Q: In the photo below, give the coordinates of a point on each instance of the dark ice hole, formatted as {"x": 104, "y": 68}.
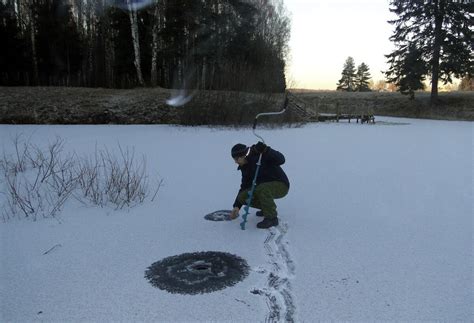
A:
{"x": 196, "y": 273}
{"x": 201, "y": 267}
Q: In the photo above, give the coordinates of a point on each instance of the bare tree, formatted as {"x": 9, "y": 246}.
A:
{"x": 158, "y": 23}
{"x": 132, "y": 12}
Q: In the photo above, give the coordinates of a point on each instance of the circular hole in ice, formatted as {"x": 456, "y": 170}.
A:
{"x": 198, "y": 272}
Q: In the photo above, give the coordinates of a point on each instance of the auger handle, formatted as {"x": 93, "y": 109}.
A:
{"x": 285, "y": 104}
{"x": 255, "y": 122}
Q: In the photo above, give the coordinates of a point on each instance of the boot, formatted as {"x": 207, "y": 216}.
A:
{"x": 259, "y": 213}
{"x": 267, "y": 223}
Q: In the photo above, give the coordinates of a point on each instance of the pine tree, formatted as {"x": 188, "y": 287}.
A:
{"x": 408, "y": 70}
{"x": 362, "y": 78}
{"x": 442, "y": 30}
{"x": 346, "y": 83}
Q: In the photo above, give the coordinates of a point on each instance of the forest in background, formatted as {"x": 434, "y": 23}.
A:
{"x": 196, "y": 44}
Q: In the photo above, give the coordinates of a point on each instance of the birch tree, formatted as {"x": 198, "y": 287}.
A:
{"x": 132, "y": 10}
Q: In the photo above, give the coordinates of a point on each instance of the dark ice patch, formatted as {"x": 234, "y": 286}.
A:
{"x": 197, "y": 273}
{"x": 221, "y": 215}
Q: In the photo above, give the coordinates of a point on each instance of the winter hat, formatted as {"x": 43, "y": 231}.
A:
{"x": 239, "y": 150}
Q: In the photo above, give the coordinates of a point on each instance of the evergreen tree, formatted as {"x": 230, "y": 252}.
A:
{"x": 442, "y": 30}
{"x": 13, "y": 66}
{"x": 408, "y": 70}
{"x": 347, "y": 81}
{"x": 58, "y": 43}
{"x": 362, "y": 78}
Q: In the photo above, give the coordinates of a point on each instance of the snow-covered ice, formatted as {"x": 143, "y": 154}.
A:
{"x": 377, "y": 226}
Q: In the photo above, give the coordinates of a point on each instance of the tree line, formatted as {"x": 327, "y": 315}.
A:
{"x": 200, "y": 44}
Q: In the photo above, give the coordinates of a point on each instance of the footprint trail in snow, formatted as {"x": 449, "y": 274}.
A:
{"x": 278, "y": 291}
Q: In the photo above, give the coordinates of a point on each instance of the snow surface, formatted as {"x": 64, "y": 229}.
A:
{"x": 377, "y": 226}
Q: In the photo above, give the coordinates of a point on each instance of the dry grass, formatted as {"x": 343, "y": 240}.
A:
{"x": 60, "y": 105}
{"x": 451, "y": 106}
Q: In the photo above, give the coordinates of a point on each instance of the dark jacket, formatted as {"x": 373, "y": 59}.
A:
{"x": 270, "y": 170}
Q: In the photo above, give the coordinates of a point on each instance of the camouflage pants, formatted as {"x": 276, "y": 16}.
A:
{"x": 264, "y": 196}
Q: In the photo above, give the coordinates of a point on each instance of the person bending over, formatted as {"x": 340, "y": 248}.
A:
{"x": 272, "y": 182}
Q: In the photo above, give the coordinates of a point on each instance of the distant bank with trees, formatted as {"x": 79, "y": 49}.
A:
{"x": 433, "y": 39}
{"x": 200, "y": 44}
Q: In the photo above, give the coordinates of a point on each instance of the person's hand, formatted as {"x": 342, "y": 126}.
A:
{"x": 260, "y": 147}
{"x": 234, "y": 214}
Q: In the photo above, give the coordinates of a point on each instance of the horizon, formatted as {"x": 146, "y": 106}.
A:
{"x": 316, "y": 63}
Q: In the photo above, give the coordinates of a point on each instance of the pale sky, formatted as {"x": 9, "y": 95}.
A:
{"x": 325, "y": 32}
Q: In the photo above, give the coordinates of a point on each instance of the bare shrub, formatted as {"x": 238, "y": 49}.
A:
{"x": 37, "y": 182}
{"x": 88, "y": 174}
{"x": 17, "y": 162}
{"x": 120, "y": 181}
{"x": 126, "y": 182}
